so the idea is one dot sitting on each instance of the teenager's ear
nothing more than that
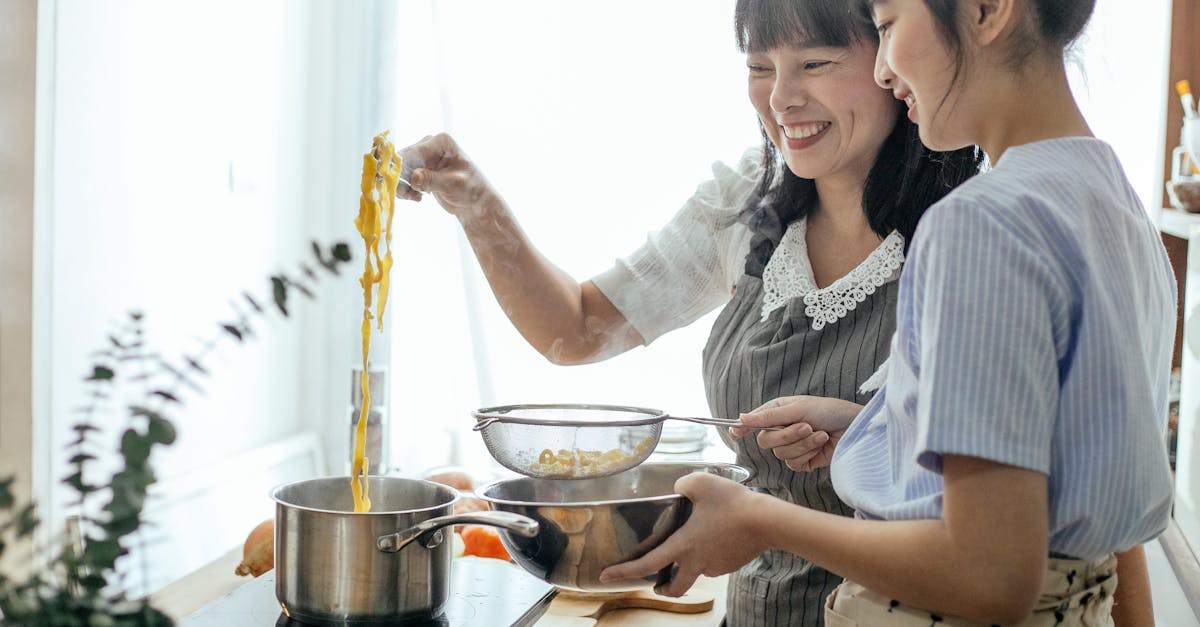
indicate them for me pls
(990, 19)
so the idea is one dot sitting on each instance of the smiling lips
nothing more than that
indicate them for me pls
(804, 131)
(805, 134)
(908, 99)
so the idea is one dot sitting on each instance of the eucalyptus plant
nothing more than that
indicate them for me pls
(81, 586)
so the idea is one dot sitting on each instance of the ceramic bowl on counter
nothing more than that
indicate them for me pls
(585, 525)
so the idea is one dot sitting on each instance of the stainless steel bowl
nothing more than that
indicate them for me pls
(585, 525)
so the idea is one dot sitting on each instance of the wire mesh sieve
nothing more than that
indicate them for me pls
(569, 441)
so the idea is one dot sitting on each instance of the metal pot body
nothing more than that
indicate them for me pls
(587, 525)
(328, 566)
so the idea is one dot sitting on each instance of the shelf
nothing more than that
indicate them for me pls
(1179, 223)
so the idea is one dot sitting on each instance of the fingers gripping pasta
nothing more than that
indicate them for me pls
(380, 174)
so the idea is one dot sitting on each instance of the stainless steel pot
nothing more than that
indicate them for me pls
(391, 564)
(586, 525)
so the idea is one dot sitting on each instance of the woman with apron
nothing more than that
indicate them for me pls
(801, 242)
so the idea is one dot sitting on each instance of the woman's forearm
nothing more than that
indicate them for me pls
(565, 321)
(984, 560)
(1133, 606)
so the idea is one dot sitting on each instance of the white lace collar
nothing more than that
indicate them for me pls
(788, 274)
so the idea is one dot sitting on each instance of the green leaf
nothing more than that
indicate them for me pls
(135, 448)
(339, 253)
(100, 373)
(194, 363)
(6, 496)
(101, 554)
(93, 582)
(161, 431)
(83, 427)
(232, 330)
(122, 525)
(308, 271)
(27, 521)
(80, 458)
(279, 293)
(165, 395)
(136, 315)
(253, 303)
(76, 482)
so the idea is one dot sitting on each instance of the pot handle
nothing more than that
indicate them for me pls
(430, 535)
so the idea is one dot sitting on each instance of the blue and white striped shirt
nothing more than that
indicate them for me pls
(1035, 325)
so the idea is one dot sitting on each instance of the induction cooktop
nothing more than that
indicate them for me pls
(484, 592)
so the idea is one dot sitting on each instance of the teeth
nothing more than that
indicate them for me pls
(804, 130)
(908, 100)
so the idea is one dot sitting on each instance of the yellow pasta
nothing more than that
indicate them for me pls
(581, 464)
(380, 174)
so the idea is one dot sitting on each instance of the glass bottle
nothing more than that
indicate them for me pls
(377, 420)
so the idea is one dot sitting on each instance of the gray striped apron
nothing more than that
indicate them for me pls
(749, 361)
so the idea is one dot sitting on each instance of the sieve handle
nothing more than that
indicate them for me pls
(721, 422)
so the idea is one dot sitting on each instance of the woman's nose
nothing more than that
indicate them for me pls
(883, 74)
(788, 93)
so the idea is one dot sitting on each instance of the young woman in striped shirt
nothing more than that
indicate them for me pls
(1017, 443)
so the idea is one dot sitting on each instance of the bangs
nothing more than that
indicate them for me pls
(761, 25)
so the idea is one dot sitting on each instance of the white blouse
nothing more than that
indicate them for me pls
(690, 266)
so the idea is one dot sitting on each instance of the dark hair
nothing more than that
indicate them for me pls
(906, 177)
(1056, 24)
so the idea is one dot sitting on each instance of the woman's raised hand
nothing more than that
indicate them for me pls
(814, 425)
(443, 169)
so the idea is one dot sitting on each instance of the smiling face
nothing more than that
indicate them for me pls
(916, 64)
(821, 108)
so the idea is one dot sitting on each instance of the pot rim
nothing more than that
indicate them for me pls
(479, 492)
(274, 494)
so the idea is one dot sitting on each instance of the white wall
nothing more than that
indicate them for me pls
(18, 29)
(1120, 81)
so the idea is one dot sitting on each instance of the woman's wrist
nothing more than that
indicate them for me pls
(472, 217)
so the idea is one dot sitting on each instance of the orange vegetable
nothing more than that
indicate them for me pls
(258, 554)
(483, 541)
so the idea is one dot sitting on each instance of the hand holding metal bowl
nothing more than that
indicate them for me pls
(586, 525)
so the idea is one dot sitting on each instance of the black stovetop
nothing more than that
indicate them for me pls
(484, 592)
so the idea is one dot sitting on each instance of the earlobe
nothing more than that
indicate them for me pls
(992, 18)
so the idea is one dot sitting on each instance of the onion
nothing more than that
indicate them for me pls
(258, 554)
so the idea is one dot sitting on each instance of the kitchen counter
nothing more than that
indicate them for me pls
(216, 580)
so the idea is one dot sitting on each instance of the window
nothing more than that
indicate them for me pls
(596, 122)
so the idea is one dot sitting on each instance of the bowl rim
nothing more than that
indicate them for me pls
(479, 492)
(486, 416)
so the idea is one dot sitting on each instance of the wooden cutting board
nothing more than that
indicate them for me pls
(571, 609)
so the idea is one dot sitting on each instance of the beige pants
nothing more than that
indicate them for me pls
(1075, 593)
